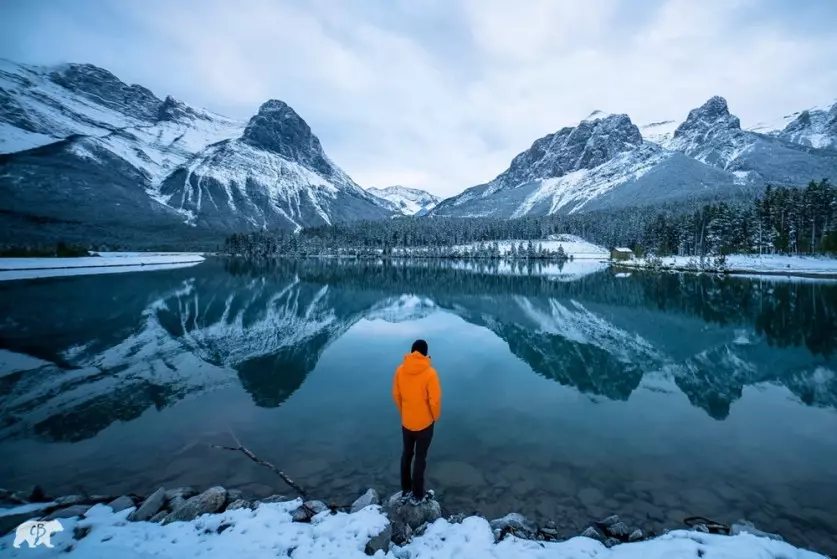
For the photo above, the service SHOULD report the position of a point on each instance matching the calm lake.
(569, 394)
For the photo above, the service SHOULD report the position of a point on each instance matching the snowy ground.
(269, 532)
(105, 263)
(773, 264)
(573, 245)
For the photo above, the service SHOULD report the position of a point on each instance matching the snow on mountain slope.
(815, 127)
(42, 111)
(660, 132)
(407, 201)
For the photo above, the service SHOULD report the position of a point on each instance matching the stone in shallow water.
(590, 496)
(210, 501)
(159, 516)
(635, 536)
(365, 500)
(149, 507)
(457, 474)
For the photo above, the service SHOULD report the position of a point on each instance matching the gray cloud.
(439, 94)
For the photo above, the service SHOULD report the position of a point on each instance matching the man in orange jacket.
(417, 394)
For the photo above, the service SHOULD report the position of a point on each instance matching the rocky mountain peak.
(591, 143)
(712, 115)
(102, 87)
(172, 110)
(279, 129)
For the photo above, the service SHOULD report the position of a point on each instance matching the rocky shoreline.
(405, 521)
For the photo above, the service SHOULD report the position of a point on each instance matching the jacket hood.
(415, 363)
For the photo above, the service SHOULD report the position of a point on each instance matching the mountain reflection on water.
(571, 392)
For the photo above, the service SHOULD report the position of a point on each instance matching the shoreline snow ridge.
(741, 264)
(220, 523)
(103, 263)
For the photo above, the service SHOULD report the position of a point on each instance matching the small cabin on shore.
(621, 253)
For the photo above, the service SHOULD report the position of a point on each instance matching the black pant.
(415, 442)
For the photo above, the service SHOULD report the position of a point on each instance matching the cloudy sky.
(441, 94)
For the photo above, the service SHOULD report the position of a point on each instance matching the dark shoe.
(428, 496)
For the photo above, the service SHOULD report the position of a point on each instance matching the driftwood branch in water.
(249, 454)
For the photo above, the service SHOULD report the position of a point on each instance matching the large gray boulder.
(176, 498)
(68, 512)
(121, 503)
(380, 541)
(412, 515)
(516, 524)
(149, 507)
(368, 498)
(210, 501)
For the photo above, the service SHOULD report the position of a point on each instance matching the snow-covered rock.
(406, 201)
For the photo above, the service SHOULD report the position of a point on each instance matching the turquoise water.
(569, 394)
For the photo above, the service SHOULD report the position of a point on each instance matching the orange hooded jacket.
(416, 392)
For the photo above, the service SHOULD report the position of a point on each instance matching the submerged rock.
(368, 498)
(159, 516)
(550, 529)
(412, 515)
(234, 495)
(211, 500)
(149, 507)
(619, 530)
(635, 536)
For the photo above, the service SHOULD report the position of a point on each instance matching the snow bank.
(106, 262)
(269, 532)
(573, 245)
(773, 264)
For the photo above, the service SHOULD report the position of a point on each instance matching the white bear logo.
(37, 532)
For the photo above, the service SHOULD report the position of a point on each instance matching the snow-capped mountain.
(407, 201)
(89, 157)
(607, 162)
(603, 162)
(815, 127)
(713, 136)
